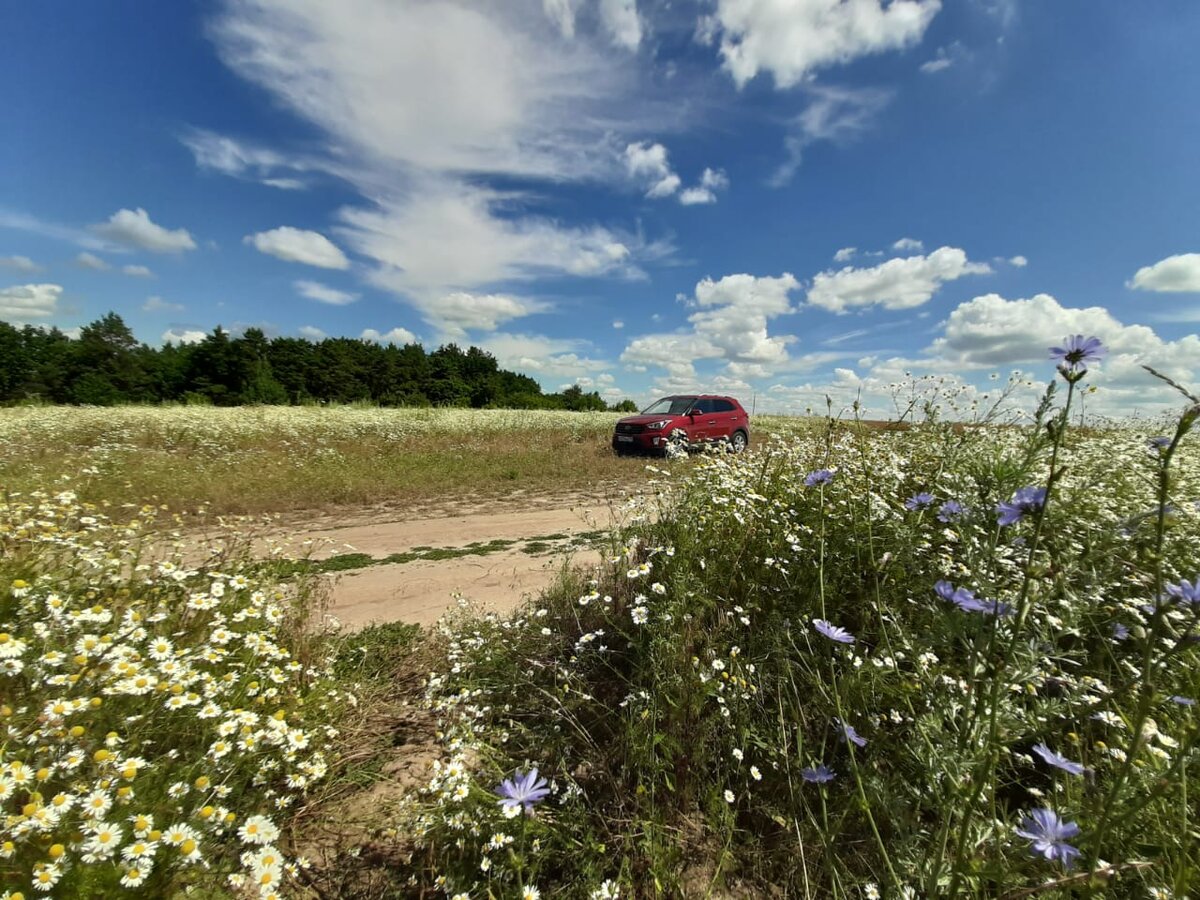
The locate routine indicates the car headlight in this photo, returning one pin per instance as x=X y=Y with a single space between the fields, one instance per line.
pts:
x=659 y=426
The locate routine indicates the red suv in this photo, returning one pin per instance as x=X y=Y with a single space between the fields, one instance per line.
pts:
x=690 y=420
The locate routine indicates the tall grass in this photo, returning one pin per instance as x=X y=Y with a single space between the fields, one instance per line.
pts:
x=933 y=662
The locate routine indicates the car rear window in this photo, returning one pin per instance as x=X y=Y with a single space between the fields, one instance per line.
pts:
x=724 y=406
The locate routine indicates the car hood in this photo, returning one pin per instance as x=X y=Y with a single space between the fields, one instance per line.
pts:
x=646 y=420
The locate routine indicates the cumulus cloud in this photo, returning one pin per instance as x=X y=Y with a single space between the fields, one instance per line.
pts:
x=837 y=115
x=730 y=324
x=906 y=244
x=398 y=336
x=791 y=39
x=323 y=293
x=1175 y=274
x=711 y=181
x=647 y=164
x=992 y=331
x=87 y=260
x=134 y=228
x=137 y=271
x=456 y=313
x=158 y=304
x=899 y=283
x=845 y=254
x=312 y=332
x=1019 y=261
x=618 y=324
x=22 y=303
x=182 y=334
x=299 y=245
x=20 y=263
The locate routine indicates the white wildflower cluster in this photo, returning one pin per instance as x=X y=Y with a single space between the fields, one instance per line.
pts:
x=154 y=718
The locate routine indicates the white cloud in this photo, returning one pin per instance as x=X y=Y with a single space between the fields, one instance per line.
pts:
x=1019 y=261
x=137 y=271
x=899 y=283
x=647 y=163
x=621 y=20
x=618 y=324
x=1175 y=274
x=730 y=325
x=323 y=293
x=905 y=244
x=397 y=336
x=845 y=254
x=542 y=357
x=134 y=228
x=299 y=245
x=442 y=87
x=87 y=260
x=220 y=153
x=420 y=104
x=711 y=181
x=456 y=313
x=23 y=302
x=834 y=114
x=447 y=240
x=158 y=304
x=20 y=221
x=562 y=14
x=20 y=263
x=937 y=64
x=181 y=334
x=791 y=39
x=312 y=332
x=992 y=331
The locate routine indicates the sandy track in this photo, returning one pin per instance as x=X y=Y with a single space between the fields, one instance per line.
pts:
x=421 y=590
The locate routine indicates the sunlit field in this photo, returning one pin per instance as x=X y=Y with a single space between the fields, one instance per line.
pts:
x=278 y=459
x=854 y=662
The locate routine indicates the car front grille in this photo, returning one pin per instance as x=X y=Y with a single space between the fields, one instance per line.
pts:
x=630 y=429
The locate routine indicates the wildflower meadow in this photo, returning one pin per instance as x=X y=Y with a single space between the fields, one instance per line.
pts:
x=949 y=660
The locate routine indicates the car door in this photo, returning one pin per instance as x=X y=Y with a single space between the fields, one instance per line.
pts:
x=722 y=420
x=703 y=422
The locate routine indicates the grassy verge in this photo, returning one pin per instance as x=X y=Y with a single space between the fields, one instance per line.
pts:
x=863 y=664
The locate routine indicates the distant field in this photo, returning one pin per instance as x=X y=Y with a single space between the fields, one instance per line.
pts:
x=274 y=459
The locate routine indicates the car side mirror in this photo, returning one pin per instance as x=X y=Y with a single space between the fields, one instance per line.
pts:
x=694 y=411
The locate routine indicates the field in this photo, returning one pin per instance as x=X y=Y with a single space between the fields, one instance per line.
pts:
x=854 y=662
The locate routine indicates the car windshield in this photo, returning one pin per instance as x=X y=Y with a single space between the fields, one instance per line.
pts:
x=670 y=406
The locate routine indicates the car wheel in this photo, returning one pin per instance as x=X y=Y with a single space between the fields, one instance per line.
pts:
x=737 y=443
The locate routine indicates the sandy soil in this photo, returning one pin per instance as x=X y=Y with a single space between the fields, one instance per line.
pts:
x=421 y=590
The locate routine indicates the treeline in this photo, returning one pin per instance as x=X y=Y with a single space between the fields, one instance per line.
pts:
x=106 y=365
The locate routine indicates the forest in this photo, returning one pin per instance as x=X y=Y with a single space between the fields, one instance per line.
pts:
x=106 y=365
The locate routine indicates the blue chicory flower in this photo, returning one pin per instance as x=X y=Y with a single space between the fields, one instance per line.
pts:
x=923 y=500
x=849 y=734
x=966 y=600
x=1120 y=632
x=1183 y=701
x=1186 y=591
x=820 y=774
x=1049 y=835
x=1058 y=760
x=833 y=632
x=523 y=789
x=1023 y=502
x=951 y=511
x=1076 y=351
x=821 y=476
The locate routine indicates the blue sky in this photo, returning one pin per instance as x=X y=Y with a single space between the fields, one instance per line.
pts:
x=782 y=199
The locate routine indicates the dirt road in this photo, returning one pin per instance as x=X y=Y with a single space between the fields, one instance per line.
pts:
x=501 y=558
